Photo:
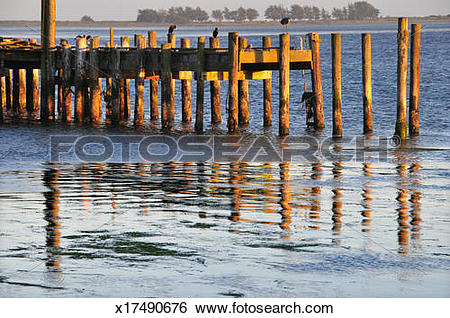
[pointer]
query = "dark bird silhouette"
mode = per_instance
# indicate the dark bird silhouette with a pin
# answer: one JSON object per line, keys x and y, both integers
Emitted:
{"x": 284, "y": 22}
{"x": 215, "y": 32}
{"x": 172, "y": 28}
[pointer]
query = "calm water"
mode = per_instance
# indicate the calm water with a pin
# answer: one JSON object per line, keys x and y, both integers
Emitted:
{"x": 325, "y": 228}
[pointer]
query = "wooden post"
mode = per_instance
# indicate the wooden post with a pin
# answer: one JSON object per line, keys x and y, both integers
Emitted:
{"x": 63, "y": 43}
{"x": 200, "y": 84}
{"x": 111, "y": 37}
{"x": 8, "y": 89}
{"x": 186, "y": 108}
{"x": 267, "y": 91}
{"x": 367, "y": 82}
{"x": 125, "y": 86}
{"x": 402, "y": 69}
{"x": 244, "y": 114}
{"x": 139, "y": 107}
{"x": 337, "y": 84}
{"x": 114, "y": 64}
{"x": 108, "y": 93}
{"x": 48, "y": 26}
{"x": 19, "y": 92}
{"x": 66, "y": 84}
{"x": 166, "y": 87}
{"x": 32, "y": 88}
{"x": 233, "y": 51}
{"x": 216, "y": 112}
{"x": 415, "y": 81}
{"x": 2, "y": 96}
{"x": 95, "y": 81}
{"x": 316, "y": 76}
{"x": 79, "y": 75}
{"x": 285, "y": 47}
{"x": 154, "y": 112}
{"x": 171, "y": 38}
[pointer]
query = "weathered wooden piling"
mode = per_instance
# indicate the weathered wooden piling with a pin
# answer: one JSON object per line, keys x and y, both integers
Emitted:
{"x": 32, "y": 88}
{"x": 233, "y": 53}
{"x": 8, "y": 89}
{"x": 402, "y": 69}
{"x": 172, "y": 39}
{"x": 414, "y": 85}
{"x": 337, "y": 84}
{"x": 244, "y": 113}
{"x": 111, "y": 37}
{"x": 154, "y": 112}
{"x": 139, "y": 106}
{"x": 285, "y": 42}
{"x": 200, "y": 85}
{"x": 367, "y": 82}
{"x": 48, "y": 26}
{"x": 78, "y": 79}
{"x": 124, "y": 90}
{"x": 166, "y": 87}
{"x": 216, "y": 113}
{"x": 2, "y": 96}
{"x": 114, "y": 64}
{"x": 95, "y": 82}
{"x": 107, "y": 93}
{"x": 186, "y": 95}
{"x": 60, "y": 84}
{"x": 267, "y": 90}
{"x": 316, "y": 77}
{"x": 19, "y": 93}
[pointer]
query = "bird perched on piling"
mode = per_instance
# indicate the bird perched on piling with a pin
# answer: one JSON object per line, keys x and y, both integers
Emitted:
{"x": 215, "y": 32}
{"x": 284, "y": 22}
{"x": 172, "y": 28}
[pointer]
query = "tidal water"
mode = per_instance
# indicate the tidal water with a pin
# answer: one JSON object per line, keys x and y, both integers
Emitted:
{"x": 367, "y": 227}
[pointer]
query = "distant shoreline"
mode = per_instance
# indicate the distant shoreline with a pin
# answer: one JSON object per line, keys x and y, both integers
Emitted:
{"x": 118, "y": 24}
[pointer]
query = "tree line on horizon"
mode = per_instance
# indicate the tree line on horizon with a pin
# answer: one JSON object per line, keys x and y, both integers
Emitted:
{"x": 359, "y": 10}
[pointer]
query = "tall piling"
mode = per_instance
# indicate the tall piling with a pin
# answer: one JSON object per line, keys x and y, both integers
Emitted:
{"x": 8, "y": 89}
{"x": 154, "y": 112}
{"x": 107, "y": 94}
{"x": 124, "y": 90}
{"x": 95, "y": 82}
{"x": 19, "y": 93}
{"x": 79, "y": 72}
{"x": 66, "y": 85}
{"x": 267, "y": 90}
{"x": 48, "y": 42}
{"x": 2, "y": 96}
{"x": 337, "y": 84}
{"x": 186, "y": 94}
{"x": 200, "y": 85}
{"x": 367, "y": 82}
{"x": 216, "y": 112}
{"x": 60, "y": 83}
{"x": 285, "y": 47}
{"x": 32, "y": 88}
{"x": 414, "y": 85}
{"x": 166, "y": 87}
{"x": 139, "y": 106}
{"x": 402, "y": 69}
{"x": 114, "y": 63}
{"x": 233, "y": 54}
{"x": 111, "y": 37}
{"x": 172, "y": 39}
{"x": 316, "y": 77}
{"x": 244, "y": 113}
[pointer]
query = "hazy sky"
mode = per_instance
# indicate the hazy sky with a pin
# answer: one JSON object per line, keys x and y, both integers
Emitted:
{"x": 127, "y": 9}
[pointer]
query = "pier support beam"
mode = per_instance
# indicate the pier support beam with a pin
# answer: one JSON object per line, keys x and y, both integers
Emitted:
{"x": 139, "y": 106}
{"x": 32, "y": 88}
{"x": 79, "y": 75}
{"x": 2, "y": 96}
{"x": 95, "y": 82}
{"x": 337, "y": 84}
{"x": 402, "y": 69}
{"x": 114, "y": 62}
{"x": 285, "y": 41}
{"x": 316, "y": 76}
{"x": 166, "y": 88}
{"x": 233, "y": 51}
{"x": 186, "y": 94}
{"x": 415, "y": 80}
{"x": 244, "y": 113}
{"x": 216, "y": 113}
{"x": 200, "y": 85}
{"x": 124, "y": 87}
{"x": 267, "y": 91}
{"x": 367, "y": 82}
{"x": 154, "y": 111}
{"x": 19, "y": 93}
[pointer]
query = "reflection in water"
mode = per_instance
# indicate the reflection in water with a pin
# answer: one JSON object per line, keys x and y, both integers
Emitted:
{"x": 285, "y": 197}
{"x": 367, "y": 198}
{"x": 337, "y": 202}
{"x": 51, "y": 216}
{"x": 314, "y": 214}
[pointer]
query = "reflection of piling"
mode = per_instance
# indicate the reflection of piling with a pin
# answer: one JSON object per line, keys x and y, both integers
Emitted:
{"x": 402, "y": 210}
{"x": 415, "y": 80}
{"x": 337, "y": 200}
{"x": 402, "y": 38}
{"x": 285, "y": 196}
{"x": 367, "y": 198}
